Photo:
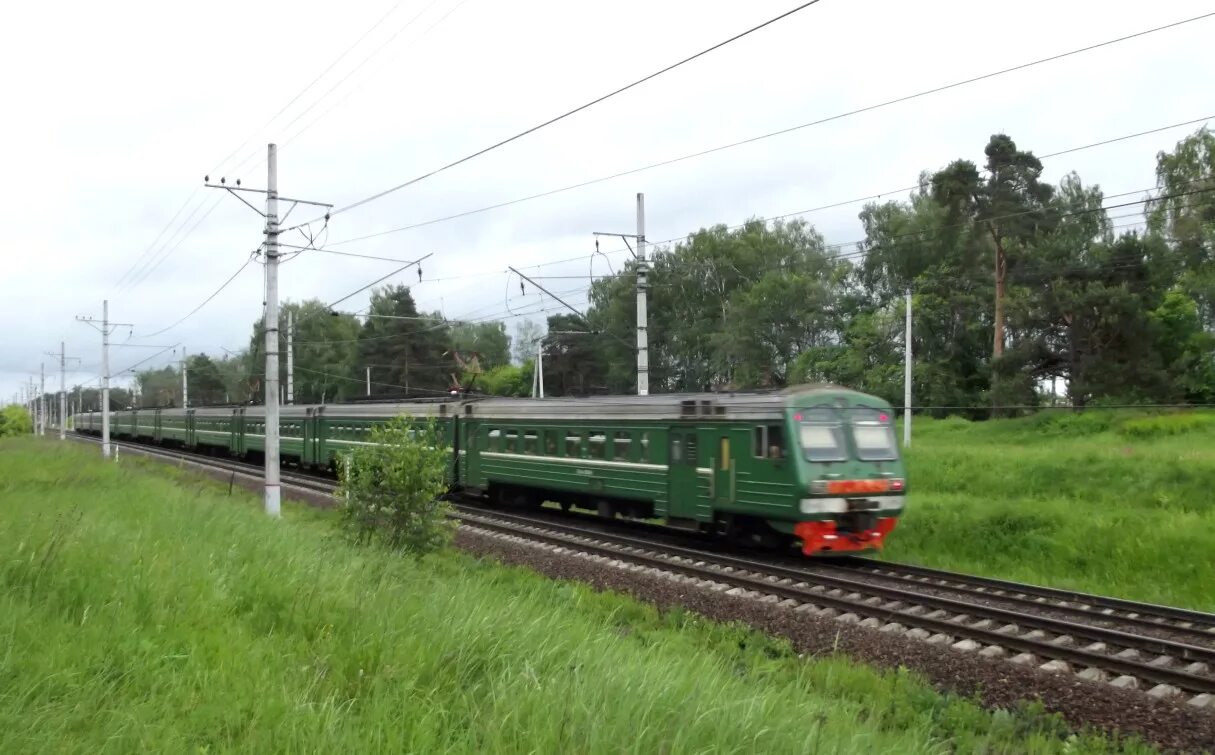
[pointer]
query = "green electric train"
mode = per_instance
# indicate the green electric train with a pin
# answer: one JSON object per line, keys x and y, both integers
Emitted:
{"x": 813, "y": 465}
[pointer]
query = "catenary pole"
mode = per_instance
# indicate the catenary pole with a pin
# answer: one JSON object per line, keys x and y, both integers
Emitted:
{"x": 290, "y": 357}
{"x": 536, "y": 372}
{"x": 62, "y": 393}
{"x": 42, "y": 399}
{"x": 273, "y": 496}
{"x": 642, "y": 343}
{"x": 185, "y": 385}
{"x": 63, "y": 397}
{"x": 643, "y": 337}
{"x": 907, "y": 375}
{"x": 273, "y": 490}
{"x": 105, "y": 379}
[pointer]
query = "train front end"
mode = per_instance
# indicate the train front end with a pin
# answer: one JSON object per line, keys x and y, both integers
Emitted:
{"x": 852, "y": 481}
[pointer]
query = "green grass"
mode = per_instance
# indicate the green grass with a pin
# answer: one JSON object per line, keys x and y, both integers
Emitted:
{"x": 142, "y": 610}
{"x": 1114, "y": 502}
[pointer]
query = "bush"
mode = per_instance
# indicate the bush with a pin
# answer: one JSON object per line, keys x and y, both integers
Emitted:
{"x": 390, "y": 489}
{"x": 14, "y": 420}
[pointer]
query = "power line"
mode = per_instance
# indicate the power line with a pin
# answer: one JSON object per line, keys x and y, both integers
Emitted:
{"x": 168, "y": 251}
{"x": 781, "y": 132}
{"x": 311, "y": 84}
{"x": 338, "y": 103}
{"x": 207, "y": 301}
{"x": 344, "y": 254}
{"x": 144, "y": 361}
{"x": 820, "y": 208}
{"x": 140, "y": 260}
{"x": 568, "y": 113}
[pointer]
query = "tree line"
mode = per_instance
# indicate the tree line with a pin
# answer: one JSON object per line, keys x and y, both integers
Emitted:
{"x": 1023, "y": 293}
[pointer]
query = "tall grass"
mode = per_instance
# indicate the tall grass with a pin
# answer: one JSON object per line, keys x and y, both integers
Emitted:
{"x": 1112, "y": 502}
{"x": 140, "y": 612}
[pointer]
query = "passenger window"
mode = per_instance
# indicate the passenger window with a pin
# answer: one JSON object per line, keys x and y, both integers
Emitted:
{"x": 493, "y": 440}
{"x": 595, "y": 444}
{"x": 621, "y": 445}
{"x": 573, "y": 446}
{"x": 512, "y": 440}
{"x": 550, "y": 442}
{"x": 529, "y": 442}
{"x": 645, "y": 446}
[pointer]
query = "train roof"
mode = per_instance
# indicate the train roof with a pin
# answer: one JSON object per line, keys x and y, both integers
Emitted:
{"x": 755, "y": 405}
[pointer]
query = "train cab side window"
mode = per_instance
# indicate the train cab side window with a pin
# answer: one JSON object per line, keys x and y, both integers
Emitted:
{"x": 768, "y": 442}
{"x": 573, "y": 446}
{"x": 550, "y": 442}
{"x": 596, "y": 442}
{"x": 776, "y": 442}
{"x": 759, "y": 442}
{"x": 620, "y": 446}
{"x": 493, "y": 439}
{"x": 529, "y": 442}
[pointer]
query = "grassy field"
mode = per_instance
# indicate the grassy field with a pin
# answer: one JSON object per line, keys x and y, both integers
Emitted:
{"x": 143, "y": 613}
{"x": 1113, "y": 502}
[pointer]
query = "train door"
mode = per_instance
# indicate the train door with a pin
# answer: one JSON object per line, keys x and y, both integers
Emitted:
{"x": 236, "y": 432}
{"x": 308, "y": 434}
{"x": 457, "y": 446}
{"x": 721, "y": 463}
{"x": 684, "y": 478}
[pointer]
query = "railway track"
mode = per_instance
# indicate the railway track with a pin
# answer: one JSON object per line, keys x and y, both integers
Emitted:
{"x": 1165, "y": 652}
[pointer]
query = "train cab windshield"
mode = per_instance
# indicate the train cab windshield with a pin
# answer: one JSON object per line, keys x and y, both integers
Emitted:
{"x": 873, "y": 434}
{"x": 821, "y": 434}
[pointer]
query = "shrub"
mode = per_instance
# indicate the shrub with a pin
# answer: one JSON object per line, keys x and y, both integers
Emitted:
{"x": 14, "y": 420}
{"x": 390, "y": 489}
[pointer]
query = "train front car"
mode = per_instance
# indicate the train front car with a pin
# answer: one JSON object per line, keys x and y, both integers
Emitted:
{"x": 850, "y": 476}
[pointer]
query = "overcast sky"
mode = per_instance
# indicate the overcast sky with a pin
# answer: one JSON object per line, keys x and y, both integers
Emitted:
{"x": 115, "y": 112}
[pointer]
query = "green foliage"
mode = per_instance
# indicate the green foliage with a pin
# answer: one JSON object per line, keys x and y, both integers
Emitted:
{"x": 1105, "y": 501}
{"x": 390, "y": 490}
{"x": 507, "y": 380}
{"x": 732, "y": 307}
{"x": 1166, "y": 425}
{"x": 15, "y": 420}
{"x": 405, "y": 355}
{"x": 152, "y": 612}
{"x": 488, "y": 340}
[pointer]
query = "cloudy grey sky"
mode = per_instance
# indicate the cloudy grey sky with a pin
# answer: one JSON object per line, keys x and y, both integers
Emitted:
{"x": 115, "y": 112}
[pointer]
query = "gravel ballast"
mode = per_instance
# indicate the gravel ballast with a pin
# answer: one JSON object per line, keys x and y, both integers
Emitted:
{"x": 997, "y": 683}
